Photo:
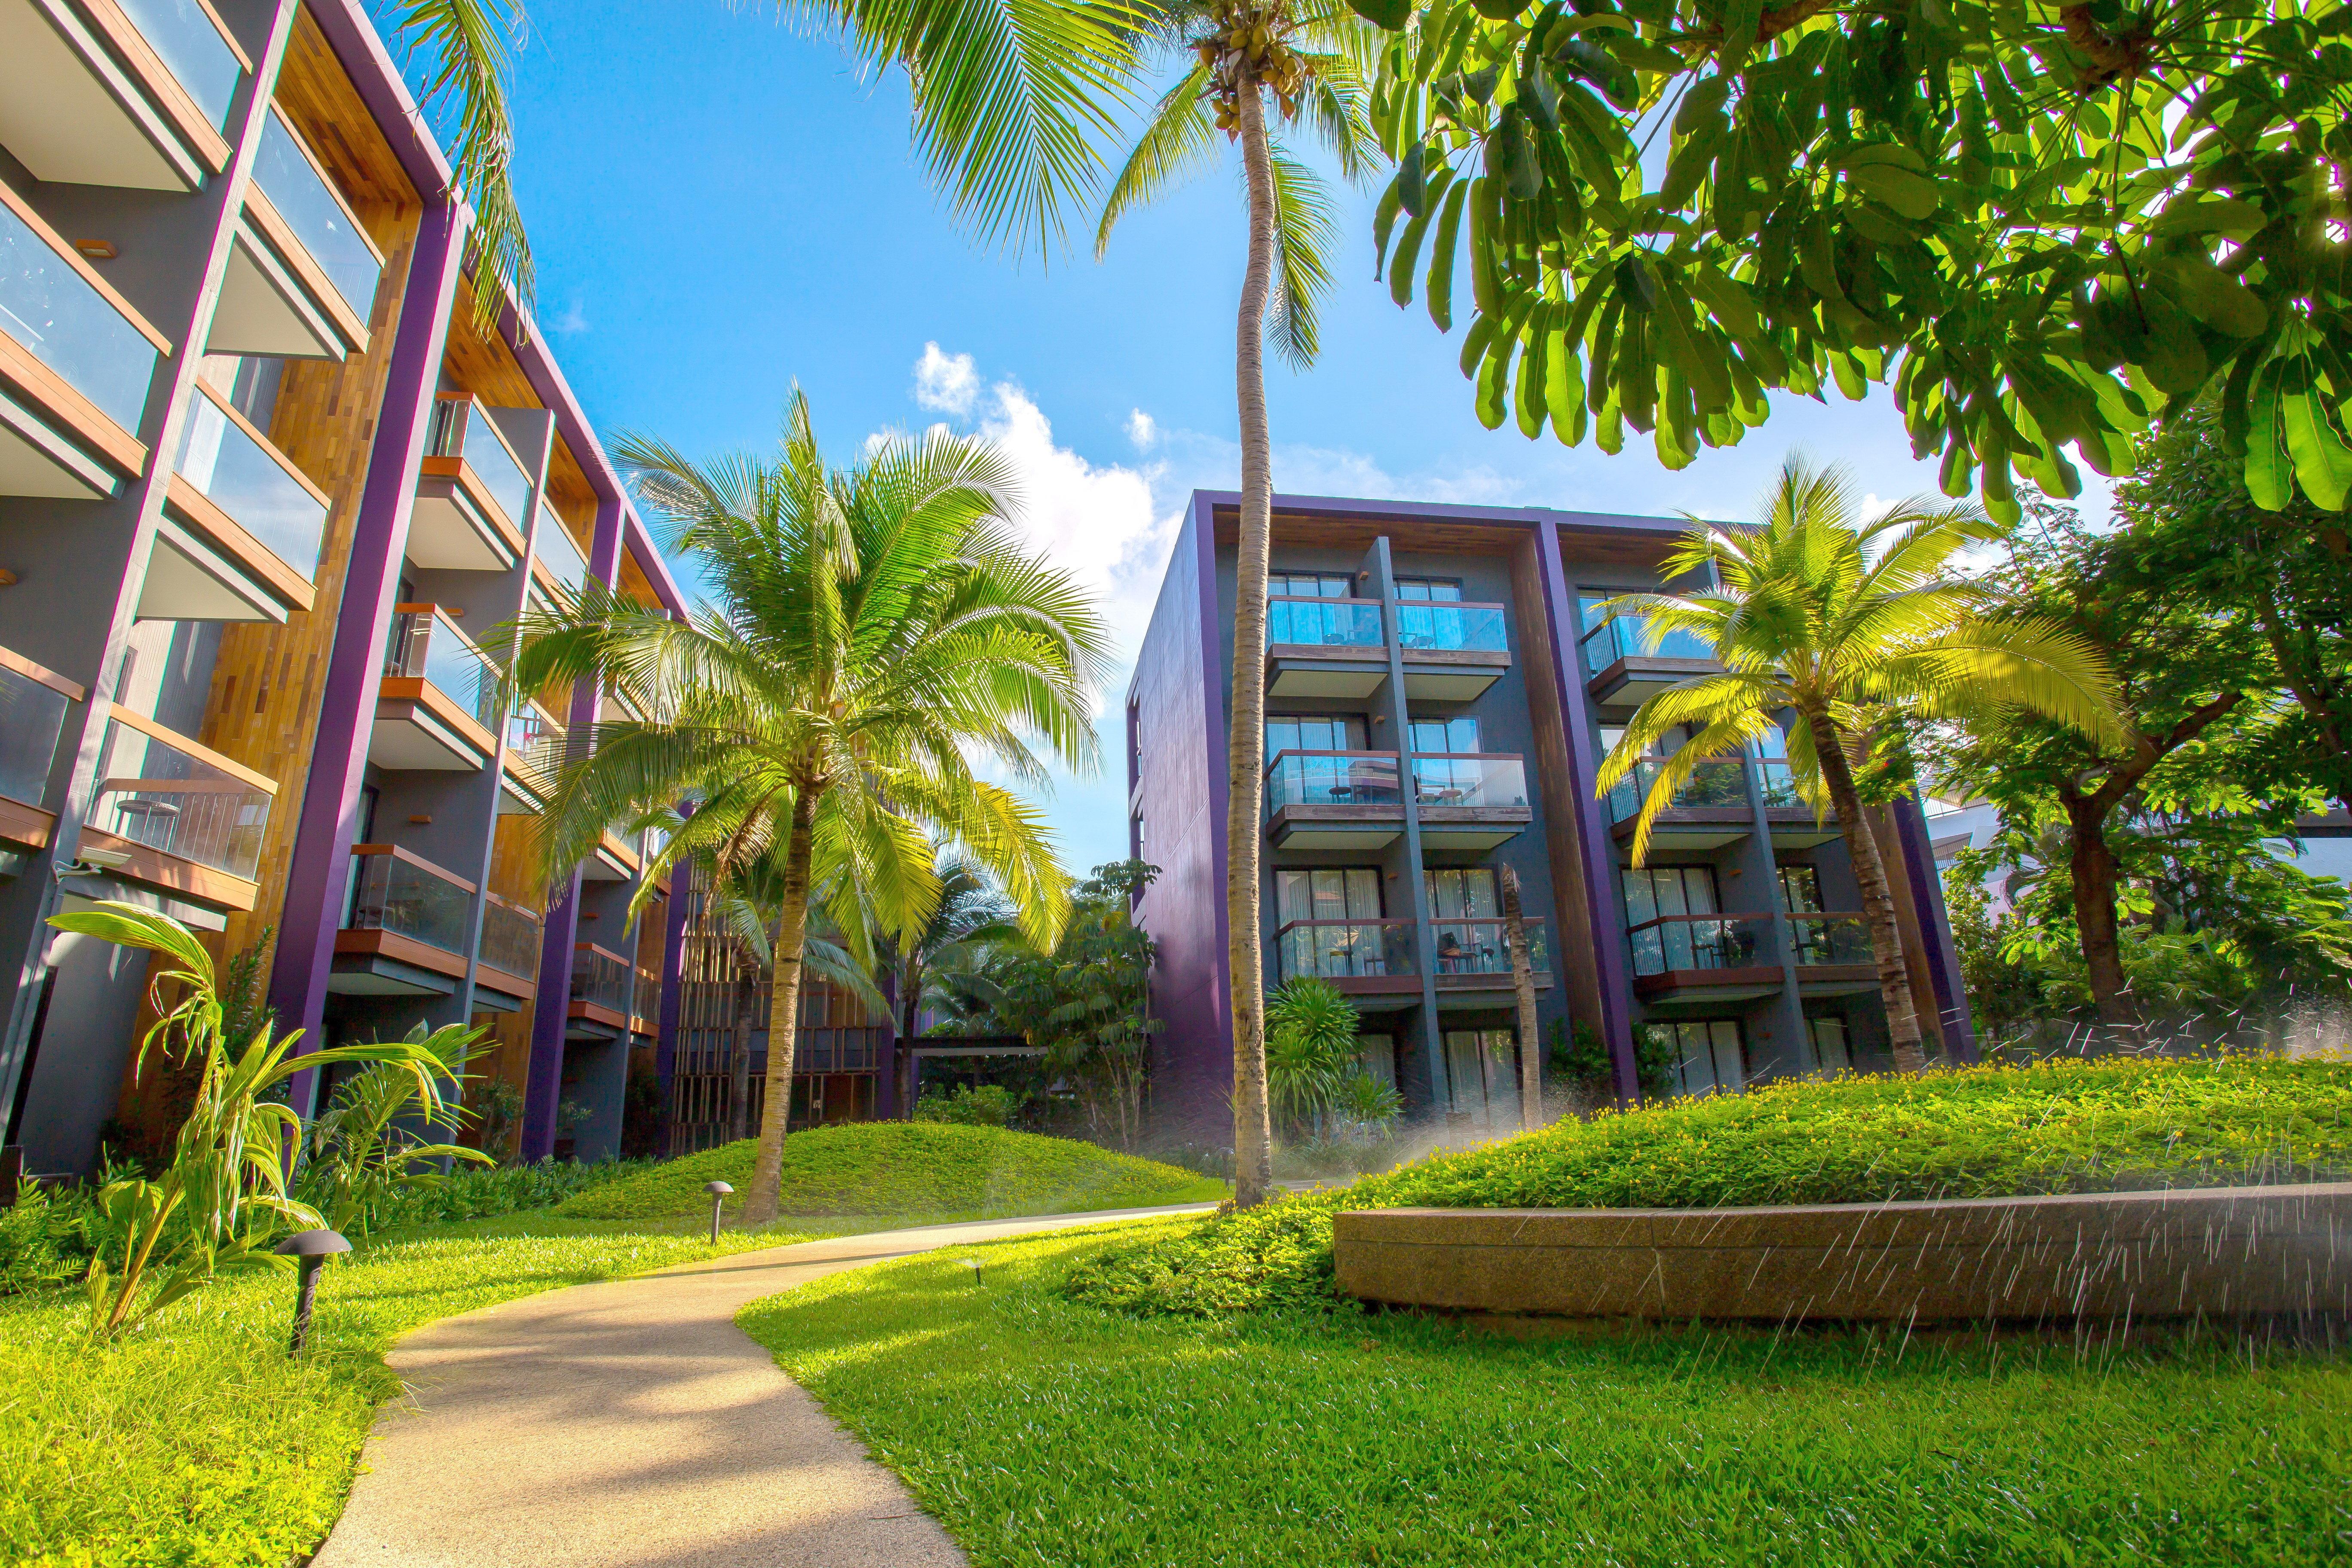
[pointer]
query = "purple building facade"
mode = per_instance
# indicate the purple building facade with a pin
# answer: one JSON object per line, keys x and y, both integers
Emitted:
{"x": 1442, "y": 685}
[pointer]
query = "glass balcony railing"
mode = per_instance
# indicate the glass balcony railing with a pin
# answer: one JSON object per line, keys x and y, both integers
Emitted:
{"x": 408, "y": 896}
{"x": 1628, "y": 636}
{"x": 560, "y": 553}
{"x": 183, "y": 37}
{"x": 646, "y": 1003}
{"x": 462, "y": 428}
{"x": 250, "y": 482}
{"x": 1719, "y": 783}
{"x": 32, "y": 716}
{"x": 283, "y": 169}
{"x": 509, "y": 938}
{"x": 1830, "y": 939}
{"x": 426, "y": 643}
{"x": 173, "y": 796}
{"x": 1344, "y": 949}
{"x": 1470, "y": 780}
{"x": 1701, "y": 942}
{"x": 1451, "y": 628}
{"x": 1481, "y": 947}
{"x": 1779, "y": 785}
{"x": 46, "y": 305}
{"x": 1332, "y": 778}
{"x": 536, "y": 743}
{"x": 1323, "y": 623}
{"x": 606, "y": 979}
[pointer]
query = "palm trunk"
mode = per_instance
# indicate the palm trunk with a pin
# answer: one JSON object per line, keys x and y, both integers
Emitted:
{"x": 909, "y": 1009}
{"x": 1523, "y": 981}
{"x": 2091, "y": 870}
{"x": 1878, "y": 902}
{"x": 1253, "y": 1131}
{"x": 783, "y": 1014}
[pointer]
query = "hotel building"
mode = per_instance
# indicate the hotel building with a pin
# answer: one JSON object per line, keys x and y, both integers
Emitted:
{"x": 1441, "y": 686}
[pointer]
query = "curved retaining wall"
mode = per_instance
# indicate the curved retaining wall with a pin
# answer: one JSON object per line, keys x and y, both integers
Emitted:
{"x": 2213, "y": 1251}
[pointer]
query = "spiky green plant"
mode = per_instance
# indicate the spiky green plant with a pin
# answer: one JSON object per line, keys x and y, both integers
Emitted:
{"x": 364, "y": 1147}
{"x": 1840, "y": 624}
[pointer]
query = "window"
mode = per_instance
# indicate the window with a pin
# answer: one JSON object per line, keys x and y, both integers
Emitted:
{"x": 1377, "y": 1052}
{"x": 1308, "y": 585}
{"x": 1135, "y": 834}
{"x": 1830, "y": 1052}
{"x": 1800, "y": 890}
{"x": 1654, "y": 891}
{"x": 1482, "y": 1077}
{"x": 1343, "y": 893}
{"x": 1134, "y": 741}
{"x": 1711, "y": 1054}
{"x": 1433, "y": 589}
{"x": 1590, "y": 605}
{"x": 1289, "y": 733}
{"x": 1461, "y": 892}
{"x": 1442, "y": 735}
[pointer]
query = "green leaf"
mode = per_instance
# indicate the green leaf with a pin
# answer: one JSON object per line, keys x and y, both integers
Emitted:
{"x": 1413, "y": 190}
{"x": 1389, "y": 15}
{"x": 1384, "y": 219}
{"x": 2215, "y": 297}
{"x": 1408, "y": 250}
{"x": 2322, "y": 461}
{"x": 1913, "y": 195}
{"x": 2208, "y": 214}
{"x": 1441, "y": 260}
{"x": 2171, "y": 354}
{"x": 1563, "y": 385}
{"x": 2270, "y": 469}
{"x": 1493, "y": 380}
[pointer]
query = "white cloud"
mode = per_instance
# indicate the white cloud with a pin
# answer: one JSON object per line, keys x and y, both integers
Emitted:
{"x": 947, "y": 382}
{"x": 1142, "y": 430}
{"x": 571, "y": 324}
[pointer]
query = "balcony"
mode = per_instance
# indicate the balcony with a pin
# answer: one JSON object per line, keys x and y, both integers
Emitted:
{"x": 174, "y": 816}
{"x": 1453, "y": 652}
{"x": 1629, "y": 660}
{"x": 602, "y": 987}
{"x": 1470, "y": 800}
{"x": 437, "y": 708}
{"x": 1368, "y": 959}
{"x": 34, "y": 702}
{"x": 1333, "y": 800}
{"x": 1708, "y": 811}
{"x": 645, "y": 1002}
{"x": 1791, "y": 821}
{"x": 1833, "y": 955}
{"x": 1473, "y": 962}
{"x": 557, "y": 567}
{"x": 405, "y": 926}
{"x": 473, "y": 493}
{"x": 614, "y": 860}
{"x": 1324, "y": 647}
{"x": 243, "y": 527}
{"x": 537, "y": 748}
{"x": 507, "y": 977}
{"x": 127, "y": 93}
{"x": 302, "y": 277}
{"x": 75, "y": 364}
{"x": 1715, "y": 958}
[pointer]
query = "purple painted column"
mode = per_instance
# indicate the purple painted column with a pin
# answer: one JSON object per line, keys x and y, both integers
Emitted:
{"x": 316, "y": 874}
{"x": 542, "y": 1093}
{"x": 1935, "y": 930}
{"x": 1599, "y": 855}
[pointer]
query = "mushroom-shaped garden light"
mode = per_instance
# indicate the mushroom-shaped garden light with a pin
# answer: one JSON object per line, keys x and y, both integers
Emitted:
{"x": 312, "y": 1248}
{"x": 718, "y": 1190}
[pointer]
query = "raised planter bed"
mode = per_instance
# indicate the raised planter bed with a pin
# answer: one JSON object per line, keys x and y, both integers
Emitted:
{"x": 2216, "y": 1251}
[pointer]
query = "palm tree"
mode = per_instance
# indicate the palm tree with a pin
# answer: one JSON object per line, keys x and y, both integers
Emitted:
{"x": 972, "y": 916}
{"x": 869, "y": 633}
{"x": 1008, "y": 101}
{"x": 1311, "y": 58}
{"x": 1841, "y": 624}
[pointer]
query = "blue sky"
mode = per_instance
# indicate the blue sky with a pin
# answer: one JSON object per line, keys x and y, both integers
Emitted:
{"x": 720, "y": 207}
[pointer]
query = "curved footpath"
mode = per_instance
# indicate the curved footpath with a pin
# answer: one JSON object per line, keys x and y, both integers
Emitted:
{"x": 631, "y": 1421}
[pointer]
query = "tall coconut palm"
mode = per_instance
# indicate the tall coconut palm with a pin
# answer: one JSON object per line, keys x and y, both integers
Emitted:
{"x": 971, "y": 915}
{"x": 1840, "y": 623}
{"x": 1307, "y": 63}
{"x": 1010, "y": 101}
{"x": 870, "y": 632}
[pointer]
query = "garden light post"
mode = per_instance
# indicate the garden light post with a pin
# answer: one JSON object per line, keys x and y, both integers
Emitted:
{"x": 718, "y": 1190}
{"x": 312, "y": 1248}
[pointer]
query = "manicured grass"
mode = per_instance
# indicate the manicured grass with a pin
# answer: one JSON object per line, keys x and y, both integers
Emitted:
{"x": 1986, "y": 1131}
{"x": 1041, "y": 1431}
{"x": 902, "y": 1168}
{"x": 198, "y": 1442}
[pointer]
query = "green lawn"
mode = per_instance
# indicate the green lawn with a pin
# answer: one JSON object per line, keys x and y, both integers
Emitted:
{"x": 198, "y": 1442}
{"x": 903, "y": 1168}
{"x": 1044, "y": 1431}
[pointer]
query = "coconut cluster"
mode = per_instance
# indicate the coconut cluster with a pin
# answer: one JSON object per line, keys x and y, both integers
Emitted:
{"x": 1251, "y": 46}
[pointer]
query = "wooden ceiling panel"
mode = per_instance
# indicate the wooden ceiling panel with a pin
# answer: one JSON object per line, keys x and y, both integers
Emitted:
{"x": 314, "y": 93}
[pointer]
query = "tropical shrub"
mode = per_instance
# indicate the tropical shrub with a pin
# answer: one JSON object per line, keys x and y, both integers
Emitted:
{"x": 363, "y": 1149}
{"x": 1582, "y": 1059}
{"x": 2115, "y": 1124}
{"x": 970, "y": 1105}
{"x": 41, "y": 1246}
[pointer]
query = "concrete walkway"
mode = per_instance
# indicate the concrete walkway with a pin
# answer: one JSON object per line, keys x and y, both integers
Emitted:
{"x": 632, "y": 1423}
